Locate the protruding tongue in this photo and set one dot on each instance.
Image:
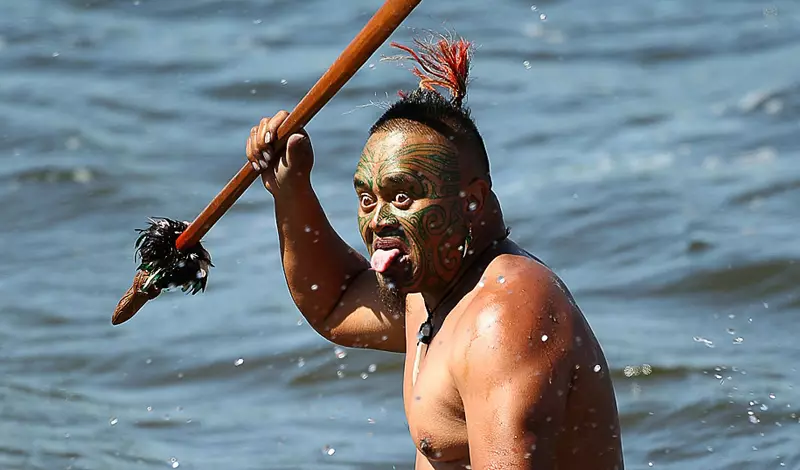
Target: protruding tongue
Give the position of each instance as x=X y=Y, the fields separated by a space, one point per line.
x=381 y=259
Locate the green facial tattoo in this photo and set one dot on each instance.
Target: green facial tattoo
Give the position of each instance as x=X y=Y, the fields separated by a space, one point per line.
x=409 y=188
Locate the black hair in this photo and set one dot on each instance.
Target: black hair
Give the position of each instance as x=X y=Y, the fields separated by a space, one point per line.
x=444 y=64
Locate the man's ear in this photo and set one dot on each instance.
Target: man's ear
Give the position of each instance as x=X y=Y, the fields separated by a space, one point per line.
x=475 y=195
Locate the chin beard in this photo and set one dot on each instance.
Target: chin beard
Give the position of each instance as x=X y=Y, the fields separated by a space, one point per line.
x=393 y=299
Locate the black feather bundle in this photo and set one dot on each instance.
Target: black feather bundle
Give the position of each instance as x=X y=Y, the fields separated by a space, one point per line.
x=167 y=266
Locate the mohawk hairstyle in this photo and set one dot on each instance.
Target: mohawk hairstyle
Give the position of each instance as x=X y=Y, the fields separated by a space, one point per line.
x=445 y=63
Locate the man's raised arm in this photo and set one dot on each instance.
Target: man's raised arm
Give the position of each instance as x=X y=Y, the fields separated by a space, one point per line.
x=329 y=281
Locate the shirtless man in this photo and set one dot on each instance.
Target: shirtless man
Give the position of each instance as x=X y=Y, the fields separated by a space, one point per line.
x=502 y=371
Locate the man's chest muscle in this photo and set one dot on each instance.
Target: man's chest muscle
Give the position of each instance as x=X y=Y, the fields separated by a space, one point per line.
x=433 y=407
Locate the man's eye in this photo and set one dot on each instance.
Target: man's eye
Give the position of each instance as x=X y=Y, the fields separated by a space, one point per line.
x=366 y=200
x=401 y=198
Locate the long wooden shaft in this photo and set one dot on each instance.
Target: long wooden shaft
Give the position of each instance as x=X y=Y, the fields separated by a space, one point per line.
x=374 y=33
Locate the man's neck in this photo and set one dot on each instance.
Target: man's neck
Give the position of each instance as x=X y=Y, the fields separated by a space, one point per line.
x=487 y=231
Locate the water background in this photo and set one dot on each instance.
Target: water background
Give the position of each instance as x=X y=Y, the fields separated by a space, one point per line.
x=647 y=151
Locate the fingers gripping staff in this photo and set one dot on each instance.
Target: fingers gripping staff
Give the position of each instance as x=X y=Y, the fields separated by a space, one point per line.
x=170 y=251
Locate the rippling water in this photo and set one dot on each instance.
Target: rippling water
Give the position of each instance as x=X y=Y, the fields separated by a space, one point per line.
x=648 y=152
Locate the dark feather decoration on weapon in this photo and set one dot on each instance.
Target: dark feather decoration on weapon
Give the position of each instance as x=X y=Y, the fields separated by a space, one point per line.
x=167 y=266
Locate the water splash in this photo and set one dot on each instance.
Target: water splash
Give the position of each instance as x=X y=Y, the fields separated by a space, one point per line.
x=706 y=342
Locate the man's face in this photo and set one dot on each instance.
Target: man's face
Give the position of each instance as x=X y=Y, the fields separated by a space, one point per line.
x=411 y=213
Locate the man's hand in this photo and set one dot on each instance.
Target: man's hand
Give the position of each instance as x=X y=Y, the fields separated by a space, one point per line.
x=282 y=168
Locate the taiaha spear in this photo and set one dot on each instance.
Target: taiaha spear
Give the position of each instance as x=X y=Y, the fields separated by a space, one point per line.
x=170 y=250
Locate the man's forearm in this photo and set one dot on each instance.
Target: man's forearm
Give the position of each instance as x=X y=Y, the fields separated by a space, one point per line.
x=317 y=263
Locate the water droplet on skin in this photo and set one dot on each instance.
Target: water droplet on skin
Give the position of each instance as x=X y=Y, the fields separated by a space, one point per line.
x=149 y=408
x=501 y=279
x=340 y=374
x=364 y=376
x=314 y=287
x=738 y=340
x=307 y=229
x=372 y=368
x=534 y=8
x=462 y=194
x=763 y=407
x=371 y=66
x=238 y=362
x=148 y=361
x=370 y=421
x=527 y=65
x=284 y=81
x=543 y=17
x=753 y=419
x=174 y=462
x=597 y=368
x=771 y=396
x=257 y=21
x=301 y=362
x=544 y=338
x=731 y=331
x=328 y=450
x=473 y=206
x=339 y=352
x=113 y=421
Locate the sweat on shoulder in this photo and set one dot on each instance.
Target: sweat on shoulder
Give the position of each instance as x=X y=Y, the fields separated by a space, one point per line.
x=502 y=370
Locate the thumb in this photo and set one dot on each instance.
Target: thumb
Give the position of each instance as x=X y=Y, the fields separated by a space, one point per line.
x=298 y=149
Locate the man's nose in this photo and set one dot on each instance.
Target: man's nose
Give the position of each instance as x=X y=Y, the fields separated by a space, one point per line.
x=384 y=220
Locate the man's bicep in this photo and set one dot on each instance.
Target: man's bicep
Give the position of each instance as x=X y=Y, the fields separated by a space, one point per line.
x=514 y=389
x=512 y=424
x=361 y=319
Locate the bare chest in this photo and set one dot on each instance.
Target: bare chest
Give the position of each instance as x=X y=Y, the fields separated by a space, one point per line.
x=433 y=406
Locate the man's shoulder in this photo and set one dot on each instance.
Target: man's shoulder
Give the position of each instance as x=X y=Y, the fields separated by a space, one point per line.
x=513 y=285
x=520 y=312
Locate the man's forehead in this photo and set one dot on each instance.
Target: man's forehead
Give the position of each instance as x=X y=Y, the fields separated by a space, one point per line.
x=386 y=150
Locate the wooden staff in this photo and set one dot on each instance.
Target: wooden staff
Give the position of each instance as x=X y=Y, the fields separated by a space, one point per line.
x=374 y=33
x=149 y=279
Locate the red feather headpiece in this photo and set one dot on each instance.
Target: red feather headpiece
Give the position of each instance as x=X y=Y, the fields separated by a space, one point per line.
x=444 y=63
